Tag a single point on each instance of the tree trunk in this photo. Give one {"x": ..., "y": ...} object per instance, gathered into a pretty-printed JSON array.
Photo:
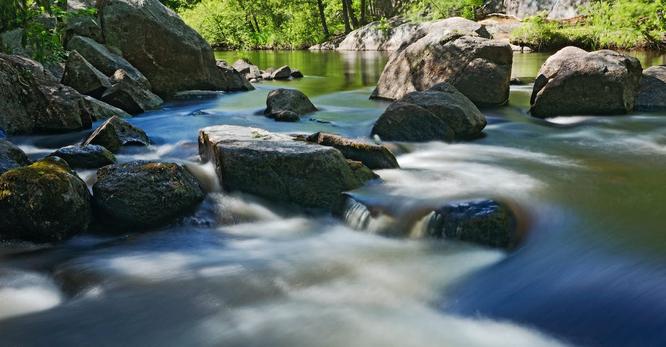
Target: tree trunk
[
  {"x": 322, "y": 17},
  {"x": 352, "y": 16},
  {"x": 345, "y": 17},
  {"x": 364, "y": 19}
]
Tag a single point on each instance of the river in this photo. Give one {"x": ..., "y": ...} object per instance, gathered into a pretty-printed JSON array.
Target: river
[{"x": 244, "y": 272}]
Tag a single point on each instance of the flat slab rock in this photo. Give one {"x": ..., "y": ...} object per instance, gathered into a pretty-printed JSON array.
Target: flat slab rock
[{"x": 276, "y": 167}]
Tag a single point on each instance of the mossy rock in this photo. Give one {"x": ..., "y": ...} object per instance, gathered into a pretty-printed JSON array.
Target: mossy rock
[
  {"x": 85, "y": 157},
  {"x": 43, "y": 202},
  {"x": 11, "y": 156}
]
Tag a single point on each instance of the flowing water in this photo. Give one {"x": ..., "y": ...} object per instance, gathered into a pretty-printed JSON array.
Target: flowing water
[{"x": 243, "y": 272}]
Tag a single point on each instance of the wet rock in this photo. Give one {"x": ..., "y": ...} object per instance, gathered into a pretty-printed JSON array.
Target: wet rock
[
  {"x": 515, "y": 81},
  {"x": 43, "y": 202},
  {"x": 247, "y": 69},
  {"x": 169, "y": 53},
  {"x": 235, "y": 78},
  {"x": 371, "y": 155},
  {"x": 144, "y": 193},
  {"x": 483, "y": 222},
  {"x": 116, "y": 132},
  {"x": 652, "y": 92},
  {"x": 360, "y": 171},
  {"x": 478, "y": 67},
  {"x": 104, "y": 60},
  {"x": 285, "y": 116},
  {"x": 86, "y": 156},
  {"x": 85, "y": 26},
  {"x": 32, "y": 100},
  {"x": 11, "y": 156},
  {"x": 101, "y": 110},
  {"x": 296, "y": 74},
  {"x": 438, "y": 114},
  {"x": 85, "y": 78},
  {"x": 281, "y": 73},
  {"x": 573, "y": 81},
  {"x": 129, "y": 95},
  {"x": 288, "y": 100},
  {"x": 197, "y": 95},
  {"x": 290, "y": 171}
]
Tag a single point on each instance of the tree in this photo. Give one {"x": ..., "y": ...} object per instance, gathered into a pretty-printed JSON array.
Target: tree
[{"x": 322, "y": 18}]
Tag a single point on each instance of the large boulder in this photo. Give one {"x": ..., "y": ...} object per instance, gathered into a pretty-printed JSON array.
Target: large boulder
[
  {"x": 103, "y": 59},
  {"x": 11, "y": 156},
  {"x": 484, "y": 222},
  {"x": 43, "y": 202},
  {"x": 288, "y": 100},
  {"x": 101, "y": 110},
  {"x": 555, "y": 9},
  {"x": 371, "y": 155},
  {"x": 82, "y": 76},
  {"x": 275, "y": 167},
  {"x": 573, "y": 81},
  {"x": 170, "y": 54},
  {"x": 115, "y": 133},
  {"x": 86, "y": 156},
  {"x": 86, "y": 26},
  {"x": 652, "y": 93},
  {"x": 439, "y": 114},
  {"x": 129, "y": 95},
  {"x": 478, "y": 67},
  {"x": 32, "y": 100},
  {"x": 144, "y": 193}
]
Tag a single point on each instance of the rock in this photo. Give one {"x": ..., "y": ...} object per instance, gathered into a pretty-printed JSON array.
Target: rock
[
  {"x": 11, "y": 156},
  {"x": 267, "y": 76},
  {"x": 144, "y": 193},
  {"x": 32, "y": 100},
  {"x": 170, "y": 54},
  {"x": 556, "y": 9},
  {"x": 478, "y": 67},
  {"x": 288, "y": 100},
  {"x": 361, "y": 172},
  {"x": 43, "y": 202},
  {"x": 129, "y": 95},
  {"x": 281, "y": 73},
  {"x": 573, "y": 81},
  {"x": 292, "y": 171},
  {"x": 104, "y": 60},
  {"x": 235, "y": 78},
  {"x": 86, "y": 156},
  {"x": 115, "y": 133},
  {"x": 285, "y": 116},
  {"x": 378, "y": 36},
  {"x": 438, "y": 114},
  {"x": 223, "y": 64},
  {"x": 515, "y": 81},
  {"x": 483, "y": 222},
  {"x": 247, "y": 69},
  {"x": 296, "y": 74},
  {"x": 652, "y": 93},
  {"x": 12, "y": 42},
  {"x": 85, "y": 78},
  {"x": 197, "y": 95},
  {"x": 101, "y": 110},
  {"x": 372, "y": 156},
  {"x": 85, "y": 26}
]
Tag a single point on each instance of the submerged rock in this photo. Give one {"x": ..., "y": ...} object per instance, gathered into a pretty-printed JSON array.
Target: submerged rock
[
  {"x": 438, "y": 114},
  {"x": 275, "y": 167},
  {"x": 129, "y": 95},
  {"x": 285, "y": 116},
  {"x": 82, "y": 76},
  {"x": 32, "y": 100},
  {"x": 144, "y": 193},
  {"x": 43, "y": 202},
  {"x": 169, "y": 53},
  {"x": 371, "y": 155},
  {"x": 573, "y": 81},
  {"x": 104, "y": 60},
  {"x": 652, "y": 92},
  {"x": 85, "y": 156},
  {"x": 11, "y": 156},
  {"x": 288, "y": 100},
  {"x": 478, "y": 67},
  {"x": 116, "y": 132},
  {"x": 483, "y": 222}
]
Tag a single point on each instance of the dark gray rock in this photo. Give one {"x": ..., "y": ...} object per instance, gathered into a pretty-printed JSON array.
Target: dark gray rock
[
  {"x": 129, "y": 95},
  {"x": 116, "y": 132},
  {"x": 296, "y": 74},
  {"x": 288, "y": 100},
  {"x": 144, "y": 193},
  {"x": 11, "y": 156},
  {"x": 285, "y": 116},
  {"x": 371, "y": 155},
  {"x": 86, "y": 156},
  {"x": 86, "y": 26},
  {"x": 43, "y": 202},
  {"x": 82, "y": 76},
  {"x": 281, "y": 73},
  {"x": 652, "y": 93},
  {"x": 101, "y": 110}
]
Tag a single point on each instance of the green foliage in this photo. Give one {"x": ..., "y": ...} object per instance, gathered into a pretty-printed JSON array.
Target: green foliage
[
  {"x": 615, "y": 24},
  {"x": 438, "y": 9}
]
